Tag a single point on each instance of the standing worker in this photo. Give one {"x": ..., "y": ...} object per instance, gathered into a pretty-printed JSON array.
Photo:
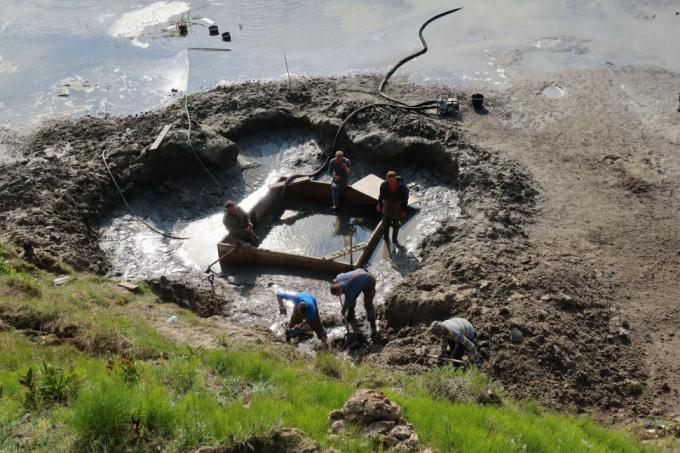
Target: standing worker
[
  {"x": 238, "y": 224},
  {"x": 305, "y": 315},
  {"x": 457, "y": 335},
  {"x": 392, "y": 203},
  {"x": 351, "y": 284},
  {"x": 339, "y": 168}
]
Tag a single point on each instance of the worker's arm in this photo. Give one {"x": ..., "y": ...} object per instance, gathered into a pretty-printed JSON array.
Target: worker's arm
[
  {"x": 444, "y": 344},
  {"x": 380, "y": 196},
  {"x": 470, "y": 347},
  {"x": 285, "y": 295},
  {"x": 404, "y": 198}
]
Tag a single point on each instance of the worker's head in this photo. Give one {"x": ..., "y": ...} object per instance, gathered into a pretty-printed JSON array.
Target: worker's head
[
  {"x": 439, "y": 329},
  {"x": 391, "y": 175},
  {"x": 302, "y": 308},
  {"x": 230, "y": 206},
  {"x": 336, "y": 288},
  {"x": 339, "y": 155}
]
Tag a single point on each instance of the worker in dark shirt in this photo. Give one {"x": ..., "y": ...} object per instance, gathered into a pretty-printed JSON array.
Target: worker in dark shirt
[
  {"x": 392, "y": 203},
  {"x": 238, "y": 224},
  {"x": 340, "y": 168},
  {"x": 351, "y": 284}
]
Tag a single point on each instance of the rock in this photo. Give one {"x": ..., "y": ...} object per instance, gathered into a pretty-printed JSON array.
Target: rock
[
  {"x": 516, "y": 335},
  {"x": 633, "y": 386},
  {"x": 623, "y": 335},
  {"x": 537, "y": 341},
  {"x": 377, "y": 418},
  {"x": 665, "y": 387},
  {"x": 505, "y": 312},
  {"x": 218, "y": 149}
]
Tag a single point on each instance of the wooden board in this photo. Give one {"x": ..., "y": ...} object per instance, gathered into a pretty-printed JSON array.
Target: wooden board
[
  {"x": 345, "y": 251},
  {"x": 370, "y": 247},
  {"x": 160, "y": 137},
  {"x": 278, "y": 185},
  {"x": 251, "y": 256},
  {"x": 129, "y": 286},
  {"x": 369, "y": 185}
]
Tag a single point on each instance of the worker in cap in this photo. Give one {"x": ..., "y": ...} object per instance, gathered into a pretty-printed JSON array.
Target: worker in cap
[
  {"x": 457, "y": 336},
  {"x": 339, "y": 168},
  {"x": 238, "y": 224}
]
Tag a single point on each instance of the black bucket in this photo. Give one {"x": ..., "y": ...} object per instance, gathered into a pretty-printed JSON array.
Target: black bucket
[
  {"x": 226, "y": 36},
  {"x": 477, "y": 100},
  {"x": 213, "y": 30}
]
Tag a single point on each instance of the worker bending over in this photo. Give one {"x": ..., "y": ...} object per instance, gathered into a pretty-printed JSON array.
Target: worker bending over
[
  {"x": 351, "y": 284},
  {"x": 339, "y": 168},
  {"x": 392, "y": 204},
  {"x": 238, "y": 224},
  {"x": 457, "y": 335},
  {"x": 305, "y": 314}
]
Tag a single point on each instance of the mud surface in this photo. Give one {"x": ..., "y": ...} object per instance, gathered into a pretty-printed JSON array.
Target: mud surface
[{"x": 567, "y": 233}]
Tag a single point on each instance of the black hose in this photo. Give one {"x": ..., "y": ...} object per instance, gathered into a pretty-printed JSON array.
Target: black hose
[
  {"x": 398, "y": 104},
  {"x": 129, "y": 208},
  {"x": 408, "y": 58}
]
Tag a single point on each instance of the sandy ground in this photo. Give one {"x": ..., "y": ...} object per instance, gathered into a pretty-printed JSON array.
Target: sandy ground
[
  {"x": 606, "y": 158},
  {"x": 567, "y": 232}
]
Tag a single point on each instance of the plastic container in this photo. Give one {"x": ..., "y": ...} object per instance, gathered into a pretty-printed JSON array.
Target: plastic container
[
  {"x": 171, "y": 319},
  {"x": 60, "y": 280},
  {"x": 213, "y": 30},
  {"x": 226, "y": 36},
  {"x": 477, "y": 100}
]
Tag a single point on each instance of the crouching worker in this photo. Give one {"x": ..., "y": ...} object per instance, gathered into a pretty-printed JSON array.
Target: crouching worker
[
  {"x": 351, "y": 284},
  {"x": 457, "y": 336},
  {"x": 238, "y": 224},
  {"x": 305, "y": 315}
]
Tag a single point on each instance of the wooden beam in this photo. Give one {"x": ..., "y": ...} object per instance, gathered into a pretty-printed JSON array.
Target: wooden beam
[
  {"x": 345, "y": 251},
  {"x": 129, "y": 286},
  {"x": 160, "y": 137},
  {"x": 372, "y": 242}
]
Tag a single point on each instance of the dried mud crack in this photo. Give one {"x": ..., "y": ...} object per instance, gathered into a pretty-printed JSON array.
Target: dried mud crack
[{"x": 576, "y": 348}]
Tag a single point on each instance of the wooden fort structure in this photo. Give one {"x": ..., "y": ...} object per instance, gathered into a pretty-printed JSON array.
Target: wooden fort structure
[{"x": 261, "y": 204}]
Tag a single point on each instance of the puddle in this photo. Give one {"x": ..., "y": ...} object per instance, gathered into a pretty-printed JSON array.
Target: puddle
[
  {"x": 553, "y": 91},
  {"x": 317, "y": 234},
  {"x": 193, "y": 209}
]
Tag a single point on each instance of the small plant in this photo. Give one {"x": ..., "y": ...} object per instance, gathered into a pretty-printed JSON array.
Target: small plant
[
  {"x": 25, "y": 284},
  {"x": 5, "y": 268},
  {"x": 48, "y": 386},
  {"x": 181, "y": 375},
  {"x": 102, "y": 417},
  {"x": 127, "y": 367}
]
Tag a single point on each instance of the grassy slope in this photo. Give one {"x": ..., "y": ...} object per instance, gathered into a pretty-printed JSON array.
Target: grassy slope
[{"x": 113, "y": 382}]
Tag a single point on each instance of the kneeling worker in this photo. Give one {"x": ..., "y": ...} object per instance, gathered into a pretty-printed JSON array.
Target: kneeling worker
[
  {"x": 458, "y": 335},
  {"x": 305, "y": 314},
  {"x": 351, "y": 284},
  {"x": 237, "y": 222}
]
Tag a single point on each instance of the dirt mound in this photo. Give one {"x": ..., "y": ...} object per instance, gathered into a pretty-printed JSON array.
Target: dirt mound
[
  {"x": 282, "y": 440},
  {"x": 197, "y": 296},
  {"x": 379, "y": 419}
]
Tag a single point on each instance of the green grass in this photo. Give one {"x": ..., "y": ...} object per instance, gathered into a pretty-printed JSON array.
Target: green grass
[{"x": 138, "y": 391}]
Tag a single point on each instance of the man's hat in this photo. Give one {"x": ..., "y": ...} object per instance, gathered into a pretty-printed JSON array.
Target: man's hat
[
  {"x": 391, "y": 173},
  {"x": 438, "y": 328}
]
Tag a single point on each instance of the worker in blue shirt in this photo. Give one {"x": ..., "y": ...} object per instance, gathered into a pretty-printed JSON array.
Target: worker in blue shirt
[
  {"x": 351, "y": 284},
  {"x": 305, "y": 314}
]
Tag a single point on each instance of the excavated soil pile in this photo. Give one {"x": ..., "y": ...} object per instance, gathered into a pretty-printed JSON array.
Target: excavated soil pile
[
  {"x": 547, "y": 329},
  {"x": 377, "y": 418}
]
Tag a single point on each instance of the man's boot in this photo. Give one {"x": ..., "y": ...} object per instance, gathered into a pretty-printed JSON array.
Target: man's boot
[
  {"x": 374, "y": 329},
  {"x": 395, "y": 236}
]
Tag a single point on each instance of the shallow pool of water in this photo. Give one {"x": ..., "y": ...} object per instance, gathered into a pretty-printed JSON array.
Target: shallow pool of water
[
  {"x": 90, "y": 57},
  {"x": 553, "y": 91}
]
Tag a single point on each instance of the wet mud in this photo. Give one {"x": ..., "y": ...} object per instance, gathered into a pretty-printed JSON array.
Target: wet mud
[{"x": 485, "y": 256}]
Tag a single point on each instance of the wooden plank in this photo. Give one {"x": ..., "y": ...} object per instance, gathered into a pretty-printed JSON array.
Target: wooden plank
[
  {"x": 372, "y": 242},
  {"x": 160, "y": 137},
  {"x": 289, "y": 214},
  {"x": 369, "y": 185},
  {"x": 278, "y": 185},
  {"x": 345, "y": 251},
  {"x": 261, "y": 257},
  {"x": 129, "y": 286}
]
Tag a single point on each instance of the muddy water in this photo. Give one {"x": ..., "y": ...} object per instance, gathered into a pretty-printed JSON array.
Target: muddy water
[
  {"x": 137, "y": 253},
  {"x": 90, "y": 57}
]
